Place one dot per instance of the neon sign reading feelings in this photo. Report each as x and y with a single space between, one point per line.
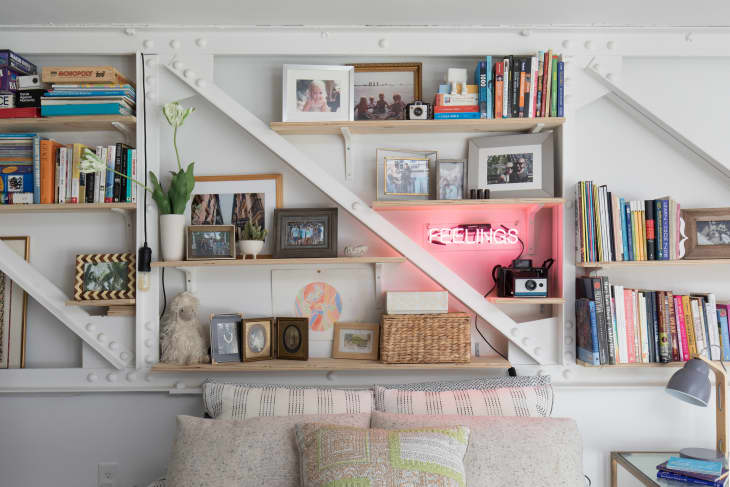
462 236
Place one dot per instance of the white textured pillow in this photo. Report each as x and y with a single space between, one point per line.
514 401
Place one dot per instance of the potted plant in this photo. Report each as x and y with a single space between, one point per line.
252 239
171 203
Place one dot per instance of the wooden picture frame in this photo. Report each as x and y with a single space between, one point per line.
289 223
382 158
292 338
192 253
12 351
707 232
254 329
359 346
446 189
225 338
125 285
371 87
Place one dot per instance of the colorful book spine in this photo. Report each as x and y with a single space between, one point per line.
722 320
110 160
554 88
128 188
665 229
506 88
618 298
610 338
629 230
689 326
89 109
36 169
545 109
456 116
62 173
630 332
490 87
480 77
587 332
522 88
683 338
538 98
498 89
561 89
663 474
649 225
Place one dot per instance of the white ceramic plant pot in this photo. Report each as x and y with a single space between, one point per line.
250 247
172 237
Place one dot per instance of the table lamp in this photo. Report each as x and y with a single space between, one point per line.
691 384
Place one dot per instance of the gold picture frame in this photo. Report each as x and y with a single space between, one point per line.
115 279
384 156
369 87
357 341
9 359
193 253
254 330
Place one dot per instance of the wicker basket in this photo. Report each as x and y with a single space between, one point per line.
425 339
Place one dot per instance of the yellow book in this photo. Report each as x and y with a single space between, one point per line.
583 221
78 183
635 230
689 325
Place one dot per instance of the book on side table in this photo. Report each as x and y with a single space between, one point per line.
690 471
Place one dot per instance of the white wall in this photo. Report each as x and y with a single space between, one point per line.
59 439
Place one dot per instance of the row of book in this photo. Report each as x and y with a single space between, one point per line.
617 325
88 99
611 228
34 170
691 471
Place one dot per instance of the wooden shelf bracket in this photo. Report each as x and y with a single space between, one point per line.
347 139
128 224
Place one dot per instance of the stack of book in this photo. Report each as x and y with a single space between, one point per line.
87 90
19 155
12 67
610 228
690 471
457 106
617 325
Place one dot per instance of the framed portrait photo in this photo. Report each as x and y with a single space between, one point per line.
292 338
257 334
314 93
513 166
225 338
105 276
206 242
707 232
405 174
356 341
306 232
13 311
382 90
451 179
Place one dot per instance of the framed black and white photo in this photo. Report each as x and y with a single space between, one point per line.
513 166
313 93
382 90
257 335
205 242
451 179
405 174
305 232
706 233
292 338
225 338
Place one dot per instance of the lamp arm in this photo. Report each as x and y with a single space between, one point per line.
721 424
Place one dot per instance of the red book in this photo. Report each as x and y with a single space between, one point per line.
455 108
498 89
681 328
29 112
630 336
669 305
545 78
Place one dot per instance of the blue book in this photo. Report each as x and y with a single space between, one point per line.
561 89
109 188
17 182
87 93
591 219
480 78
665 229
624 236
462 115
490 87
36 169
691 465
629 230
663 474
722 322
587 331
91 109
444 89
129 176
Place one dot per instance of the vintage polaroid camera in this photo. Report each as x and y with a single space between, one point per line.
419 111
521 280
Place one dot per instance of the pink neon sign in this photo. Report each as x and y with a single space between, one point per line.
462 236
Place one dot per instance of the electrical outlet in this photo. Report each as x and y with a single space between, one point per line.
108 474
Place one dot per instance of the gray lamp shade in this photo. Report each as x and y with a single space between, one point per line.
691 383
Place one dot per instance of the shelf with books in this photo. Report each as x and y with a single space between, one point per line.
30 208
634 364
448 204
275 262
594 266
81 123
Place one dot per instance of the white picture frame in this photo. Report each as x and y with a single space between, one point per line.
303 99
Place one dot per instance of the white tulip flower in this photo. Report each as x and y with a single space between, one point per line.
90 162
176 113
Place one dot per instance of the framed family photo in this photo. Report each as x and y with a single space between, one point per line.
257 336
451 179
382 90
292 338
206 242
405 174
225 338
13 311
708 233
356 341
306 232
105 277
313 93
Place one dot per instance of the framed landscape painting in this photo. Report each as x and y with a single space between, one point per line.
13 311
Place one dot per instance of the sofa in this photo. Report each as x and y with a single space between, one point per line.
256 435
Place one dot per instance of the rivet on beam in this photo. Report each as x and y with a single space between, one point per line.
179 385
148 326
526 341
515 332
589 45
537 351
609 76
151 62
90 327
148 342
324 35
149 360
201 42
132 376
148 44
178 65
129 31
101 337
112 377
525 33
568 374
569 356
568 340
383 43
689 37
189 73
175 44
124 356
201 83
567 43
149 79
92 377
611 45
114 346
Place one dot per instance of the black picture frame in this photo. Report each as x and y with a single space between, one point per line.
218 322
288 220
283 350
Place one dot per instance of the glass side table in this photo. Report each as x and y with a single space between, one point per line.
642 466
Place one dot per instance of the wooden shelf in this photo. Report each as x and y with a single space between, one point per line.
496 202
526 300
81 123
635 364
67 207
326 364
103 302
241 262
417 126
650 263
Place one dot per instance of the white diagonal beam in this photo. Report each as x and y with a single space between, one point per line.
338 192
54 300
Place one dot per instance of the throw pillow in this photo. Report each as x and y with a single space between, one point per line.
332 456
519 452
236 401
250 453
512 401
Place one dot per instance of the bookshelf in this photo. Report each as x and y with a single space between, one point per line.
634 364
84 123
67 207
650 263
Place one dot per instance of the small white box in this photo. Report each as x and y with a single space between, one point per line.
457 75
416 302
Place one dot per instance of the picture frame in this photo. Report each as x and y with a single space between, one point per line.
395 176
13 310
225 338
356 341
451 179
105 277
706 233
314 93
513 166
236 199
292 338
398 83
305 232
210 242
257 334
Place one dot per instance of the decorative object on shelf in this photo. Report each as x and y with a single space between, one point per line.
237 199
257 336
13 311
355 250
356 341
305 232
426 338
416 302
512 166
252 240
183 339
521 279
313 93
405 174
292 338
105 276
382 90
707 231
225 338
451 179
206 242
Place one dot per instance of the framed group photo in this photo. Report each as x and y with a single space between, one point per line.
405 174
313 93
208 242
306 232
383 90
707 232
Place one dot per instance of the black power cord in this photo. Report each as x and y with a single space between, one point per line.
144 256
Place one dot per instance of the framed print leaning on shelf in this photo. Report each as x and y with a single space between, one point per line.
105 277
225 338
513 166
314 93
405 174
356 341
305 232
13 311
257 334
451 179
707 233
207 242
292 338
382 90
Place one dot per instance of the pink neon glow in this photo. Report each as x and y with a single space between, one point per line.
458 236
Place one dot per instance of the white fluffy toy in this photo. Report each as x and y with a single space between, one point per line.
183 339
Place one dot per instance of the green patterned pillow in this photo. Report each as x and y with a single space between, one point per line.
342 456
